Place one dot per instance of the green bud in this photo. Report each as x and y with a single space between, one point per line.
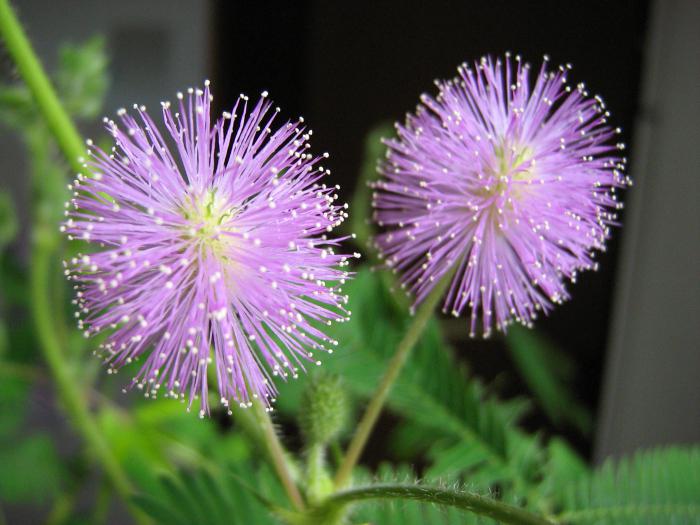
324 409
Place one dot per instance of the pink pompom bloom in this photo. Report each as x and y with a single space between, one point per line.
214 251
513 181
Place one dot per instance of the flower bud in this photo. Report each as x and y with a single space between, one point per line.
325 409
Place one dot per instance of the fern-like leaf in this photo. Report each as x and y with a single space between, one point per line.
655 487
208 497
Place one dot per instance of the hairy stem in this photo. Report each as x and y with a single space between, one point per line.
318 483
376 403
483 506
277 455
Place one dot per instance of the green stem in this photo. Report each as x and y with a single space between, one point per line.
101 510
68 386
71 144
253 426
61 510
39 85
277 455
374 408
483 506
318 482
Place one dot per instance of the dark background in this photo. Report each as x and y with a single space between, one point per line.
348 66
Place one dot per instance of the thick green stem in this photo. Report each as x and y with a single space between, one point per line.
376 403
39 85
501 512
318 483
277 455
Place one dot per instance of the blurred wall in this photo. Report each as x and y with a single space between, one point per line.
156 47
652 384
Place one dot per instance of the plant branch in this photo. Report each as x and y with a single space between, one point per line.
374 408
466 501
68 386
277 455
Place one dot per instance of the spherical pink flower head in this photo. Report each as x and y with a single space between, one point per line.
214 249
512 180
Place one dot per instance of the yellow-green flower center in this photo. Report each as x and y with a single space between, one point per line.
514 166
209 221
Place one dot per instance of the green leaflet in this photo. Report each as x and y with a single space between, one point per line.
546 372
214 497
653 487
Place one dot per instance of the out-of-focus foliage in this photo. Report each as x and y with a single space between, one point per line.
547 372
235 496
81 80
32 455
8 220
361 203
651 488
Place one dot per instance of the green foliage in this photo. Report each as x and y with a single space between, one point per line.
17 108
465 431
8 220
563 467
82 79
360 206
415 513
547 372
207 497
655 487
247 494
3 339
33 455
